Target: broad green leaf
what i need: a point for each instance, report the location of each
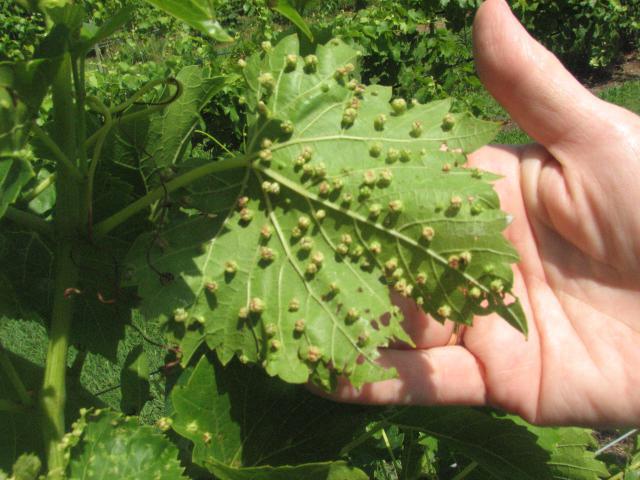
(198, 14)
(29, 81)
(328, 217)
(122, 448)
(571, 451)
(170, 131)
(501, 447)
(23, 86)
(245, 425)
(93, 35)
(314, 471)
(285, 8)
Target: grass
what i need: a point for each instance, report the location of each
(626, 95)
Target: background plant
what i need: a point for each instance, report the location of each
(111, 196)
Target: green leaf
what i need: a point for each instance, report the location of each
(29, 80)
(501, 447)
(134, 382)
(91, 37)
(314, 471)
(170, 131)
(413, 457)
(571, 451)
(287, 10)
(120, 447)
(245, 425)
(15, 173)
(198, 14)
(295, 269)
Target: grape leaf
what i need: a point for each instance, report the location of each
(570, 450)
(287, 10)
(344, 195)
(118, 446)
(15, 164)
(171, 130)
(245, 425)
(501, 447)
(197, 14)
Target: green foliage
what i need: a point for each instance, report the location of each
(307, 291)
(586, 35)
(245, 425)
(18, 31)
(424, 51)
(198, 14)
(281, 251)
(103, 442)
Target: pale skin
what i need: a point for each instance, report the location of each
(575, 200)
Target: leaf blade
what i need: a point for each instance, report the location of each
(195, 13)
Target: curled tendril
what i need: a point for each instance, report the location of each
(118, 112)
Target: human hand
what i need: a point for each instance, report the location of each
(575, 199)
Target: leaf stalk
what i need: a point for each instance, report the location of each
(29, 220)
(14, 378)
(57, 152)
(107, 225)
(38, 189)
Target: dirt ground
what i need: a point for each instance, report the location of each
(629, 69)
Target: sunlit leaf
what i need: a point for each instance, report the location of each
(346, 197)
(287, 10)
(198, 14)
(111, 444)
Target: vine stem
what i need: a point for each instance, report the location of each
(183, 180)
(53, 396)
(69, 222)
(29, 220)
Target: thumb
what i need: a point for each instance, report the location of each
(528, 80)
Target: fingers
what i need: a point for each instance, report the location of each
(423, 329)
(530, 82)
(438, 376)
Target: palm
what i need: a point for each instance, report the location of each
(577, 229)
(581, 305)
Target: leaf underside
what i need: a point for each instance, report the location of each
(291, 260)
